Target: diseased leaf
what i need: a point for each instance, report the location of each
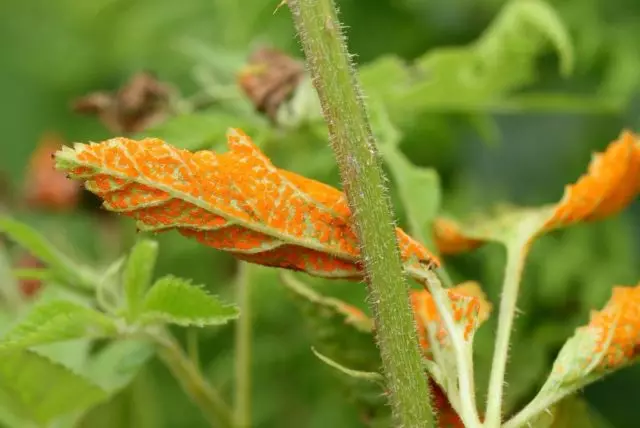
(237, 202)
(611, 183)
(470, 309)
(177, 301)
(138, 274)
(64, 269)
(40, 390)
(57, 321)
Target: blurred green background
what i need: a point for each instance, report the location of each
(495, 148)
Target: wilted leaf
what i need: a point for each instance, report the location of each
(142, 102)
(177, 301)
(138, 274)
(610, 184)
(39, 389)
(236, 202)
(269, 79)
(61, 266)
(57, 321)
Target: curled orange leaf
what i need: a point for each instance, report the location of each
(470, 309)
(612, 181)
(617, 328)
(610, 184)
(236, 201)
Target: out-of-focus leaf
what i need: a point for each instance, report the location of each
(476, 76)
(65, 269)
(571, 412)
(237, 202)
(419, 187)
(138, 274)
(177, 301)
(57, 321)
(343, 335)
(40, 390)
(198, 130)
(116, 365)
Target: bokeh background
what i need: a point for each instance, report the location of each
(487, 151)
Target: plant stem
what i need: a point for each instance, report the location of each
(243, 348)
(354, 146)
(516, 252)
(199, 390)
(464, 361)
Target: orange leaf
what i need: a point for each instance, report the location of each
(612, 181)
(46, 188)
(617, 327)
(470, 308)
(610, 184)
(236, 202)
(450, 239)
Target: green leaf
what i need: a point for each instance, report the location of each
(64, 269)
(55, 322)
(343, 337)
(138, 274)
(36, 388)
(571, 412)
(201, 130)
(177, 301)
(116, 365)
(419, 187)
(474, 77)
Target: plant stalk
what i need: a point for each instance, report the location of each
(243, 348)
(199, 390)
(353, 143)
(516, 253)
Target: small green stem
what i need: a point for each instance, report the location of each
(516, 252)
(193, 347)
(353, 143)
(243, 348)
(199, 390)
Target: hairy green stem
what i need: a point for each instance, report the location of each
(243, 348)
(516, 252)
(365, 185)
(193, 383)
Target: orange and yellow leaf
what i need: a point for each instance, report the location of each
(469, 305)
(612, 181)
(617, 327)
(237, 202)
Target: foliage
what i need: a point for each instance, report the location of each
(544, 84)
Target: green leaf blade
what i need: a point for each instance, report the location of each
(57, 321)
(177, 301)
(40, 389)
